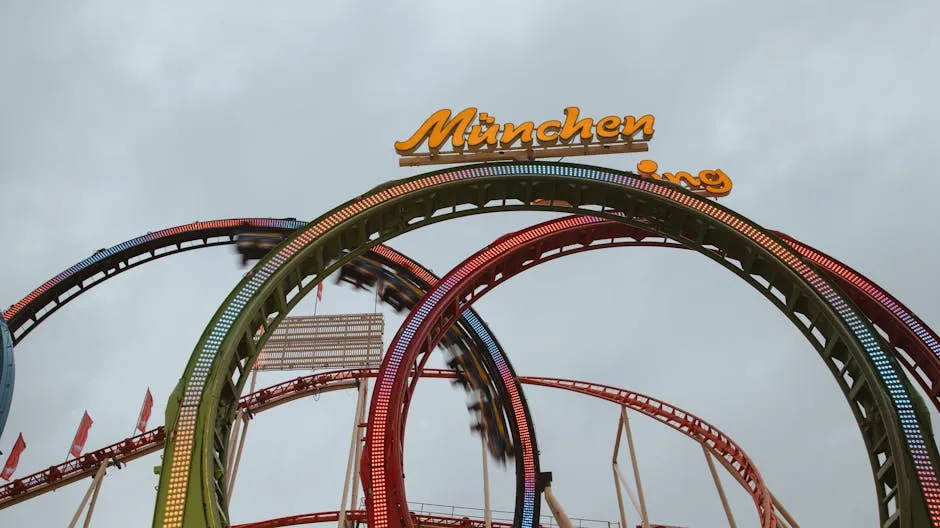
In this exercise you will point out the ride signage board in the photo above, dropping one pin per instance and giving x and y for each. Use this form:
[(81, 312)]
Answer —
[(477, 137)]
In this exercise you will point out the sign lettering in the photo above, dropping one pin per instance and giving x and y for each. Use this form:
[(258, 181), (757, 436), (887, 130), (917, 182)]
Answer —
[(478, 137), (712, 183)]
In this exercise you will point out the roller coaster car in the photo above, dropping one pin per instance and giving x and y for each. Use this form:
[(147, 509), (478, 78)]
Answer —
[(473, 372), (357, 274), (494, 444), (450, 341), (492, 427), (398, 297), (254, 246), (460, 378)]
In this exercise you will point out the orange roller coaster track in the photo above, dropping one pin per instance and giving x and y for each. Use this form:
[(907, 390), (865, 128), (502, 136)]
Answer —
[(720, 445)]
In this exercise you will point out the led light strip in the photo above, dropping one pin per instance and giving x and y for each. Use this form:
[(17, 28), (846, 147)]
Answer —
[(508, 381), (900, 312), (404, 342), (402, 260), (179, 473)]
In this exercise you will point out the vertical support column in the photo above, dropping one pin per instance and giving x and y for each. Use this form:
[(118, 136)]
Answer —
[(354, 447), (616, 472), (93, 488), (721, 490), (361, 428), (241, 418), (487, 517), (636, 468), (557, 511), (94, 499), (619, 481)]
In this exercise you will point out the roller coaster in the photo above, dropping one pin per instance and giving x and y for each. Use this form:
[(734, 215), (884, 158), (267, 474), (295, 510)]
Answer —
[(871, 343)]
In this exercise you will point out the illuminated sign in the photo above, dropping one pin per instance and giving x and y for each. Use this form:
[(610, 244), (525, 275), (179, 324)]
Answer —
[(712, 183), (709, 183), (474, 137)]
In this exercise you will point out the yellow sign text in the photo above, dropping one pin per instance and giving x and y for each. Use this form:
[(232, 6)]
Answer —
[(711, 183), (478, 137)]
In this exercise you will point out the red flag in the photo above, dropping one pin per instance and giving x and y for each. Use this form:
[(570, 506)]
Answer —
[(81, 436), (14, 459), (319, 292), (145, 412)]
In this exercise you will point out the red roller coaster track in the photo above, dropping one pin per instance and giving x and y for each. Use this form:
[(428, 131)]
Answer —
[(720, 445), (441, 307)]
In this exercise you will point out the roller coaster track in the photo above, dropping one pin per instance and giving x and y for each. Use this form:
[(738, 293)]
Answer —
[(436, 312), (915, 342), (23, 317), (720, 445), (891, 417), (919, 344), (39, 304)]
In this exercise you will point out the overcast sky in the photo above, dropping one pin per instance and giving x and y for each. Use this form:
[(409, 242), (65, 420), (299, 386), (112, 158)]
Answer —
[(120, 118)]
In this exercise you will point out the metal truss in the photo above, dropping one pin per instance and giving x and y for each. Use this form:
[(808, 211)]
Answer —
[(38, 305), (902, 453), (715, 442)]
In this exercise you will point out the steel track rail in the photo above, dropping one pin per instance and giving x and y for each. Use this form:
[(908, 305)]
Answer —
[(915, 342), (891, 417), (719, 444), (38, 305)]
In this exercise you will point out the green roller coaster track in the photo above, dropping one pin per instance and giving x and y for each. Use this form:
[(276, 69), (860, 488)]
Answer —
[(892, 418)]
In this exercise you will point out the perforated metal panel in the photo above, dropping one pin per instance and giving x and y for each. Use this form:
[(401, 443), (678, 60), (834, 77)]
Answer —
[(324, 342)]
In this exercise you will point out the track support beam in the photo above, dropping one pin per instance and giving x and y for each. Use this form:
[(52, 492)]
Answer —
[(783, 512), (719, 487), (557, 511), (487, 516), (92, 493), (355, 449), (236, 447), (625, 420)]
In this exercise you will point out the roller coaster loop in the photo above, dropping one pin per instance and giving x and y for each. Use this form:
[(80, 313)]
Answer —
[(39, 304), (892, 419), (916, 343)]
